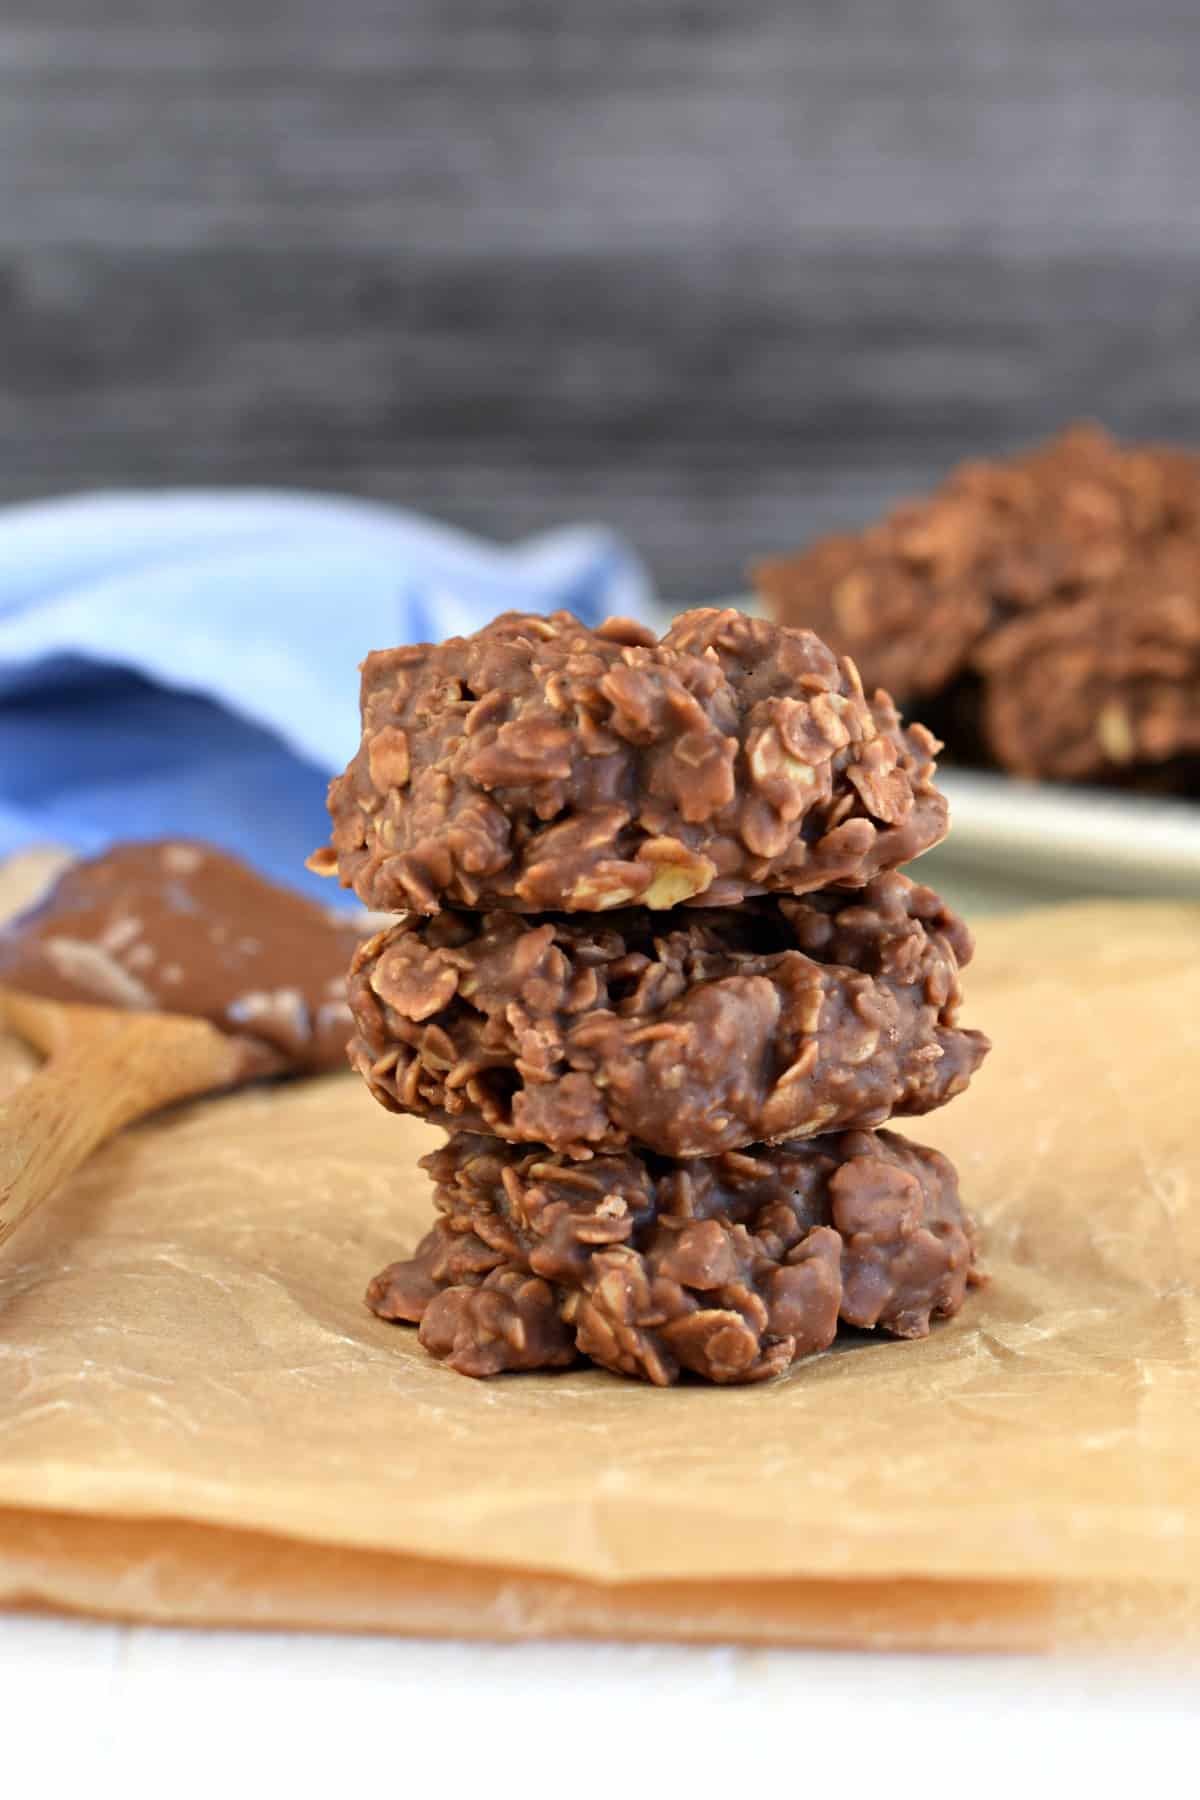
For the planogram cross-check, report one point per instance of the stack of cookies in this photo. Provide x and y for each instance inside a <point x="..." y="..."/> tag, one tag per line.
<point x="658" y="976"/>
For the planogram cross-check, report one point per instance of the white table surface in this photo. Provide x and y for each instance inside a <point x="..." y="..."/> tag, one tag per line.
<point x="134" y="1710"/>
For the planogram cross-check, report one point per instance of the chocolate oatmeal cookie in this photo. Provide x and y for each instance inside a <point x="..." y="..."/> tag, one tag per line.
<point x="1102" y="688"/>
<point x="540" y="766"/>
<point x="1044" y="610"/>
<point x="732" y="1267"/>
<point x="688" y="1034"/>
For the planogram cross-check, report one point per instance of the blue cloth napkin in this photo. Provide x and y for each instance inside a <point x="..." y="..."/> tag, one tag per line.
<point x="186" y="663"/>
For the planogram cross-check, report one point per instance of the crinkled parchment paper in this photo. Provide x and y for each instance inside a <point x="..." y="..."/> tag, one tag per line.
<point x="199" y="1420"/>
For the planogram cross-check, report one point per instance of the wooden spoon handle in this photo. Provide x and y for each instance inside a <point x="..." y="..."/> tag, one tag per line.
<point x="104" y="1079"/>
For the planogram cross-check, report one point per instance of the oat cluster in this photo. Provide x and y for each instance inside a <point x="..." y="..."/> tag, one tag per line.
<point x="1049" y="606"/>
<point x="731" y="1266"/>
<point x="658" y="974"/>
<point x="688" y="1033"/>
<point x="542" y="767"/>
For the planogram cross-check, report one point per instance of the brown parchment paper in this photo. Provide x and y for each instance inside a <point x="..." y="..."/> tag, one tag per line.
<point x="199" y="1421"/>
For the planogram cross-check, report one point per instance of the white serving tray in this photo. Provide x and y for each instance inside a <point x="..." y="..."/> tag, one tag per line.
<point x="1069" y="840"/>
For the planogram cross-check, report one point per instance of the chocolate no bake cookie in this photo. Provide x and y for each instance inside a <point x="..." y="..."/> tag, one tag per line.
<point x="540" y="766"/>
<point x="687" y="1033"/>
<point x="1050" y="603"/>
<point x="1107" y="686"/>
<point x="732" y="1267"/>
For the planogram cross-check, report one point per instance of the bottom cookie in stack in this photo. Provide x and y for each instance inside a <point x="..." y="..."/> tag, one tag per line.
<point x="732" y="1266"/>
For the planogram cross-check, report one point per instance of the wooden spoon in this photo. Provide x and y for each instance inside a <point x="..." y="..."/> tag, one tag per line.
<point x="104" y="1068"/>
<point x="156" y="972"/>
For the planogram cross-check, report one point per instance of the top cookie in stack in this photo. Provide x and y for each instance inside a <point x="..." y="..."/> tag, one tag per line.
<point x="542" y="767"/>
<point x="653" y="914"/>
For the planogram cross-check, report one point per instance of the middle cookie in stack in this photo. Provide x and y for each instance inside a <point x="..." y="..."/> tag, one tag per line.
<point x="635" y="1082"/>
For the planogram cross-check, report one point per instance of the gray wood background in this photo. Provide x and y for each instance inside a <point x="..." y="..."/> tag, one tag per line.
<point x="721" y="272"/>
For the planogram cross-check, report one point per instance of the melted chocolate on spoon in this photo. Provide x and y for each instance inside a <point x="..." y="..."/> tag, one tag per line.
<point x="180" y="927"/>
